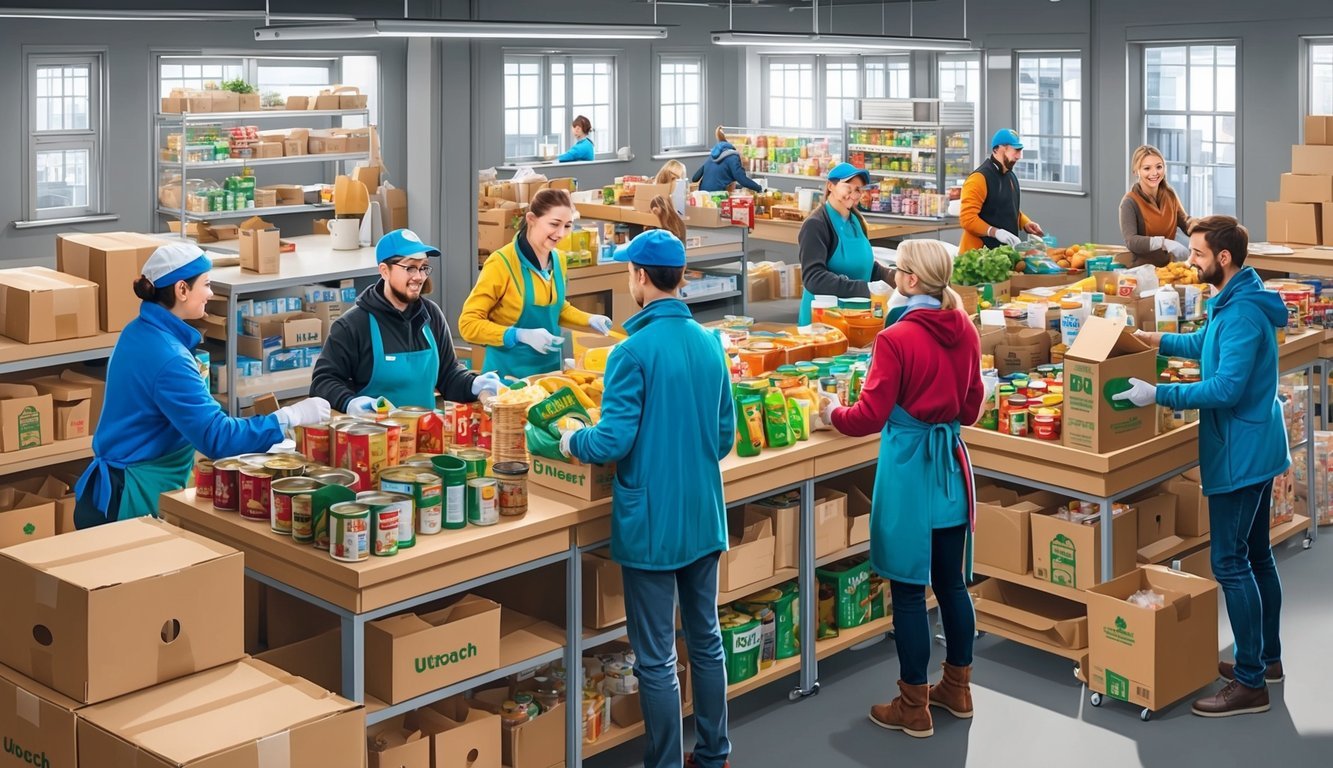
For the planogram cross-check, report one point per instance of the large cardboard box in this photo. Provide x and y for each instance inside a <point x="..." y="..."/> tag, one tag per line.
<point x="97" y="384"/>
<point x="1191" y="506"/>
<point x="1153" y="657"/>
<point x="398" y="742"/>
<point x="1297" y="223"/>
<point x="1032" y="613"/>
<point x="785" y="511"/>
<point x="242" y="715"/>
<point x="538" y="743"/>
<point x="25" y="517"/>
<point x="1310" y="159"/>
<point x="39" y="724"/>
<point x="496" y="228"/>
<point x="461" y="736"/>
<point x="39" y="304"/>
<point x="410" y="654"/>
<point x="1300" y="188"/>
<point x="750" y="557"/>
<point x="830" y="521"/>
<point x="294" y="329"/>
<point x="106" y="611"/>
<point x="317" y="659"/>
<point x="1022" y="349"/>
<point x="112" y="260"/>
<point x="54" y="490"/>
<point x="260" y="250"/>
<point x="26" y="418"/>
<point x="1099" y="365"/>
<point x="590" y="482"/>
<point x="284" y="194"/>
<point x="1157" y="526"/>
<point x="1319" y="129"/>
<point x="1003" y="538"/>
<point x="1070" y="553"/>
<point x="858" y="487"/>
<point x="71" y="404"/>
<point x="603" y="590"/>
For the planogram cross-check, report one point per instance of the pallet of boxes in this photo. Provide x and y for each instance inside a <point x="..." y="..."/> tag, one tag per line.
<point x="1303" y="213"/>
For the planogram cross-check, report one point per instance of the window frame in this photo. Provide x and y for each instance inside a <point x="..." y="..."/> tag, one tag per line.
<point x="92" y="139"/>
<point x="682" y="57"/>
<point x="1062" y="54"/>
<point x="889" y="62"/>
<point x="606" y="147"/>
<point x="819" y="92"/>
<point x="1307" y="78"/>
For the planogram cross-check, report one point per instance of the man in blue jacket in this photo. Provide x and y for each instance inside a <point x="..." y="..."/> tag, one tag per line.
<point x="667" y="422"/>
<point x="1242" y="447"/>
<point x="723" y="168"/>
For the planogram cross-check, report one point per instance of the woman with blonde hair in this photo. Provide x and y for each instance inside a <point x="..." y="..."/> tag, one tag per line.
<point x="924" y="384"/>
<point x="670" y="172"/>
<point x="667" y="217"/>
<point x="1150" y="212"/>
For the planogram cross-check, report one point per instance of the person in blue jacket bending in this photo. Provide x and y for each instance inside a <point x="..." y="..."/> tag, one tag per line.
<point x="723" y="168"/>
<point x="1242" y="447"/>
<point x="667" y="422"/>
<point x="582" y="149"/>
<point x="158" y="411"/>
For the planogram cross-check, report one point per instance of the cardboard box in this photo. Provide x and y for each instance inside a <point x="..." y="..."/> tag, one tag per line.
<point x="317" y="659"/>
<point x="25" y="517"/>
<point x="260" y="251"/>
<point x="27" y="418"/>
<point x="242" y="715"/>
<point x="1157" y="526"/>
<point x="858" y="487"/>
<point x="39" y="724"/>
<point x="39" y="304"/>
<point x="1319" y="129"/>
<point x="293" y="329"/>
<point x="1326" y="224"/>
<point x="538" y="743"/>
<point x="603" y="590"/>
<point x="973" y="295"/>
<point x="1022" y="349"/>
<point x="1019" y="281"/>
<point x="1099" y="365"/>
<point x="71" y="405"/>
<point x="1298" y="223"/>
<point x="358" y="140"/>
<point x="410" y="654"/>
<point x="1200" y="563"/>
<point x="247" y="102"/>
<point x="1300" y="188"/>
<point x="1070" y="553"/>
<point x="49" y="488"/>
<point x="267" y="149"/>
<point x="750" y="557"/>
<point x="294" y="148"/>
<point x="298" y="102"/>
<point x="289" y="619"/>
<point x="496" y="228"/>
<point x="785" y="512"/>
<point x="1310" y="159"/>
<point x="590" y="482"/>
<point x="284" y="194"/>
<point x="1149" y="657"/>
<point x="98" y="386"/>
<point x="122" y="607"/>
<point x="1191" y="506"/>
<point x="112" y="260"/>
<point x="326" y="143"/>
<point x="327" y="312"/>
<point x="1003" y="537"/>
<point x="830" y="521"/>
<point x="397" y="743"/>
<point x="461" y="736"/>
<point x="394" y="207"/>
<point x="225" y="101"/>
<point x="266" y="198"/>
<point x="1032" y="613"/>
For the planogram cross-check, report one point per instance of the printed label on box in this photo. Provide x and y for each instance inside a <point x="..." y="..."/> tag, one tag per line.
<point x="30" y="428"/>
<point x="1064" y="561"/>
<point x="1117" y="687"/>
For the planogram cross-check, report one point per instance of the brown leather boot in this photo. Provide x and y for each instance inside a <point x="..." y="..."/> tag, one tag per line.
<point x="953" y="692"/>
<point x="909" y="713"/>
<point x="1273" y="674"/>
<point x="1233" y="699"/>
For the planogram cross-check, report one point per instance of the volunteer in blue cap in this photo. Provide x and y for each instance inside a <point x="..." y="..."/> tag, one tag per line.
<point x="395" y="343"/>
<point x="990" y="214"/>
<point x="157" y="410"/>
<point x="834" y="248"/>
<point x="667" y="420"/>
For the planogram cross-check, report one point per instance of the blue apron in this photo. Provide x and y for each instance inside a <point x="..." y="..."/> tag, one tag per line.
<point x="403" y="378"/>
<point x="141" y="485"/>
<point x="520" y="360"/>
<point x="852" y="258"/>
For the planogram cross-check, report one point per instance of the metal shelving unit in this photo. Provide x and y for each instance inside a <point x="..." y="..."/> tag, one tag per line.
<point x="768" y="167"/>
<point x="933" y="139"/>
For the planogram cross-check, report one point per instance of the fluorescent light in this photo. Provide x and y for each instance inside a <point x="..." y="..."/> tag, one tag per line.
<point x="858" y="42"/>
<point x="77" y="14"/>
<point x="464" y="29"/>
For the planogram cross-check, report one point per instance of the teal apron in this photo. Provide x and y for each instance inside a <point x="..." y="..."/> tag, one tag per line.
<point x="520" y="360"/>
<point x="403" y="378"/>
<point x="141" y="485"/>
<point x="852" y="258"/>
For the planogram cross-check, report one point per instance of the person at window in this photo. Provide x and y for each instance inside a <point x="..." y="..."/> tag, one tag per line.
<point x="395" y="343"/>
<point x="723" y="168"/>
<point x="1151" y="213"/>
<point x="582" y="149"/>
<point x="836" y="257"/>
<point x="670" y="172"/>
<point x="667" y="217"/>
<point x="990" y="214"/>
<point x="158" y="411"/>
<point x="518" y="304"/>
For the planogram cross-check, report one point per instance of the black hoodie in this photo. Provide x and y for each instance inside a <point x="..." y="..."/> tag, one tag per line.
<point x="346" y="363"/>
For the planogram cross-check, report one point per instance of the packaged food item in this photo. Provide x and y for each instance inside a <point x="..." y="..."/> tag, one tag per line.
<point x="777" y="425"/>
<point x="749" y="424"/>
<point x="1166" y="304"/>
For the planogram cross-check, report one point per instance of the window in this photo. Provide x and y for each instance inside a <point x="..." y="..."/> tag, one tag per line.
<point x="681" y="119"/>
<point x="275" y="77"/>
<point x="818" y="92"/>
<point x="888" y="77"/>
<point x="543" y="95"/>
<point x="64" y="102"/>
<point x="1320" y="100"/>
<point x="1190" y="96"/>
<point x="841" y="90"/>
<point x="194" y="72"/>
<point x="1050" y="119"/>
<point x="960" y="78"/>
<point x="791" y="93"/>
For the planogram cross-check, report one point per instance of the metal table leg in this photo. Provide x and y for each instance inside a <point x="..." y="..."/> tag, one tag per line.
<point x="809" y="591"/>
<point x="1310" y="496"/>
<point x="232" y="378"/>
<point x="354" y="657"/>
<point x="1108" y="541"/>
<point x="573" y="654"/>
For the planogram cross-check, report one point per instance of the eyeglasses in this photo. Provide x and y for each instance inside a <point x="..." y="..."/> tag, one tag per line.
<point x="904" y="271"/>
<point x="423" y="271"/>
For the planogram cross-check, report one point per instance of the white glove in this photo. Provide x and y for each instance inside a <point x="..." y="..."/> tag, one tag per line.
<point x="1140" y="393"/>
<point x="539" y="339"/>
<point x="566" y="435"/>
<point x="1178" y="250"/>
<point x="1007" y="238"/>
<point x="880" y="288"/>
<point x="827" y="402"/>
<point x="487" y="382"/>
<point x="314" y="410"/>
<point x="361" y="406"/>
<point x="601" y="324"/>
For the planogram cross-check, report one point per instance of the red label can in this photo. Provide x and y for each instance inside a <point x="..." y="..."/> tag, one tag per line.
<point x="446" y="417"/>
<point x="481" y="425"/>
<point x="367" y="452"/>
<point x="463" y="434"/>
<point x="226" y="485"/>
<point x="255" y="487"/>
<point x="203" y="479"/>
<point x="393" y="440"/>
<point x="313" y="442"/>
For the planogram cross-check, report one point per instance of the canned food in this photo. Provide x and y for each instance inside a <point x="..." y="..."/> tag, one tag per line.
<point x="483" y="503"/>
<point x="407" y="437"/>
<point x="407" y="526"/>
<point x="512" y="477"/>
<point x="255" y="486"/>
<point x="291" y="507"/>
<point x="465" y="427"/>
<point x="337" y="476"/>
<point x="475" y="461"/>
<point x="386" y="512"/>
<point x="424" y="489"/>
<point x="393" y="437"/>
<point x="203" y="479"/>
<point x="349" y="531"/>
<point x="226" y="485"/>
<point x="427" y="428"/>
<point x="423" y="460"/>
<point x="453" y="477"/>
<point x="256" y="460"/>
<point x="367" y="452"/>
<point x="313" y="442"/>
<point x="285" y="466"/>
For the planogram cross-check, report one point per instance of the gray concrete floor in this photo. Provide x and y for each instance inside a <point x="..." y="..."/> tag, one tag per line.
<point x="1031" y="711"/>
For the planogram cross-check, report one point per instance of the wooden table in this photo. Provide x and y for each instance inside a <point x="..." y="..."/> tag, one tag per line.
<point x="777" y="231"/>
<point x="1307" y="260"/>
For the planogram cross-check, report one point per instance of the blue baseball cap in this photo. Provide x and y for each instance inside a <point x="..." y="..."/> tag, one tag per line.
<point x="402" y="243"/>
<point x="654" y="248"/>
<point x="1006" y="136"/>
<point x="845" y="171"/>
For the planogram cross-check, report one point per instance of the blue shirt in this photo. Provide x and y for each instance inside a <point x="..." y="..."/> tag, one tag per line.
<point x="580" y="152"/>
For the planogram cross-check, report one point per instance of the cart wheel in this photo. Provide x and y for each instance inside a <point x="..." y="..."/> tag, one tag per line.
<point x="1145" y="715"/>
<point x="797" y="694"/>
<point x="1095" y="699"/>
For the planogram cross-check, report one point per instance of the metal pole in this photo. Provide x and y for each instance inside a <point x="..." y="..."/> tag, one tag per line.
<point x="573" y="653"/>
<point x="814" y="11"/>
<point x="354" y="658"/>
<point x="231" y="351"/>
<point x="1108" y="547"/>
<point x="809" y="591"/>
<point x="1311" y="497"/>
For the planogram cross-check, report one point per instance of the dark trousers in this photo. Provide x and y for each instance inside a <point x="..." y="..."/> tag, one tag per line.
<point x="1243" y="565"/>
<point x="911" y="626"/>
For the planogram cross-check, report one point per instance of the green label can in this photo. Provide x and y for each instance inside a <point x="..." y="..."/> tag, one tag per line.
<point x="349" y="531"/>
<point x="483" y="501"/>
<point x="453" y="490"/>
<point x="387" y="511"/>
<point x="475" y="462"/>
<point x="424" y="489"/>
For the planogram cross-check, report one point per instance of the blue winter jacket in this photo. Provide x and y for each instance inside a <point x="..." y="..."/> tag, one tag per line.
<point x="667" y="420"/>
<point x="721" y="169"/>
<point x="1242" y="436"/>
<point x="580" y="152"/>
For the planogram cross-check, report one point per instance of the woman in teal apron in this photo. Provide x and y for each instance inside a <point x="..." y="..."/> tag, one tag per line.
<point x="158" y="410"/>
<point x="518" y="305"/>
<point x="924" y="383"/>
<point x="835" y="252"/>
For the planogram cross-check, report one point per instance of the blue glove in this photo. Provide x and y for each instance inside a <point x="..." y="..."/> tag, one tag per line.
<point x="601" y="324"/>
<point x="487" y="382"/>
<point x="361" y="406"/>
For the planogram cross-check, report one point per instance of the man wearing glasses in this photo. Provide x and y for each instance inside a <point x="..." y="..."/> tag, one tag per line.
<point x="394" y="343"/>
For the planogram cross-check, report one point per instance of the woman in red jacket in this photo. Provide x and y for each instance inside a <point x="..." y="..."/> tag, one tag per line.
<point x="924" y="383"/>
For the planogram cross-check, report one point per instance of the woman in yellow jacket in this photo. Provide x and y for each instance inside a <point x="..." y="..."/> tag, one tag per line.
<point x="518" y="304"/>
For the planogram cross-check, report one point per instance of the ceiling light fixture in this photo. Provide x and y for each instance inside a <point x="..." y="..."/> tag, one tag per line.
<point x="816" y="39"/>
<point x="463" y="29"/>
<point x="85" y="14"/>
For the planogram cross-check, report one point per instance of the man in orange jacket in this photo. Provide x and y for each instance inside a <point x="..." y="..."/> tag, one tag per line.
<point x="990" y="214"/>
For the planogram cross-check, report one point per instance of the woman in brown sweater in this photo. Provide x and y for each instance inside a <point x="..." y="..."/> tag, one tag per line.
<point x="1150" y="212"/>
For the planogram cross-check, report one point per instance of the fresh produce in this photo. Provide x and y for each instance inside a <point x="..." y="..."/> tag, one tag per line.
<point x="1073" y="257"/>
<point x="984" y="265"/>
<point x="237" y="86"/>
<point x="1177" y="273"/>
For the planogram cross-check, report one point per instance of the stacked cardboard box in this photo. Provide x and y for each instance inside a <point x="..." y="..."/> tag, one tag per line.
<point x="1303" y="212"/>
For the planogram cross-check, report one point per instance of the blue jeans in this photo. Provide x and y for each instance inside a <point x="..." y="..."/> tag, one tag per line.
<point x="1243" y="564"/>
<point x="650" y="601"/>
<point x="911" y="626"/>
